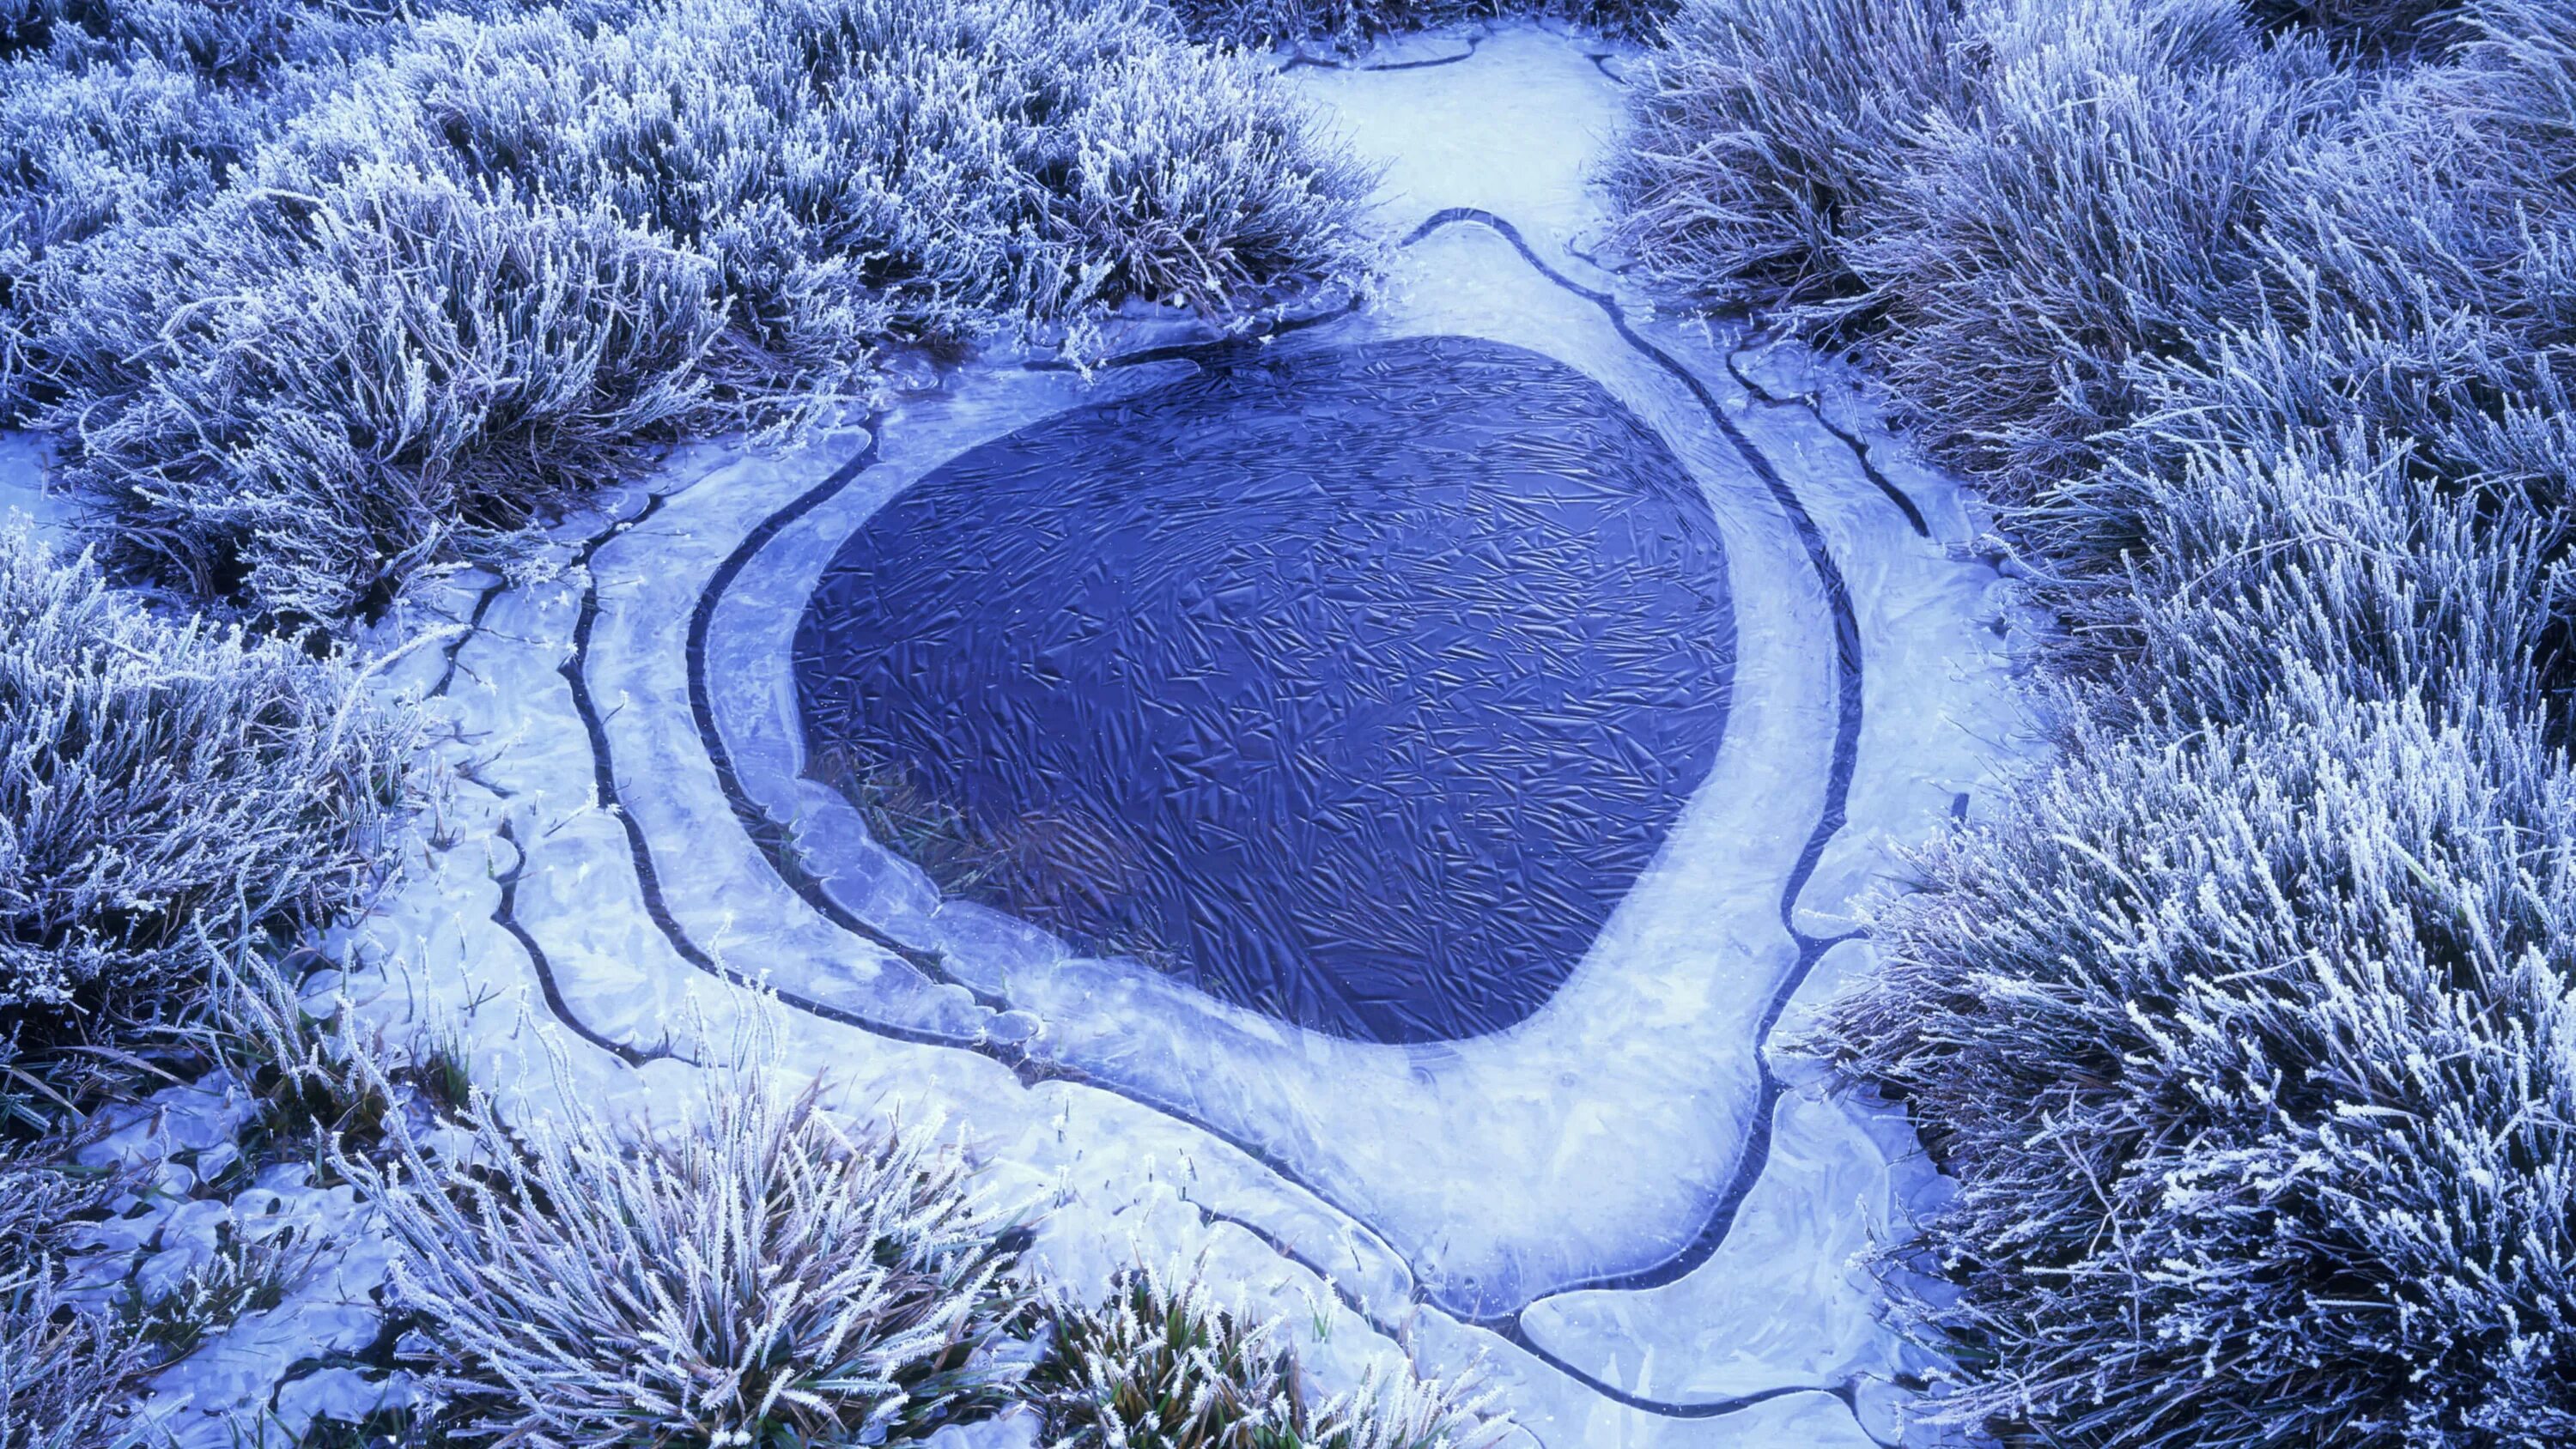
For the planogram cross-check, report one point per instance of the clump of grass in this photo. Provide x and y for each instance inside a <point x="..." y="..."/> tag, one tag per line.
<point x="320" y="1080"/>
<point x="2248" y="1049"/>
<point x="64" y="1367"/>
<point x="242" y="1276"/>
<point x="159" y="779"/>
<point x="63" y="1371"/>
<point x="2094" y="207"/>
<point x="932" y="833"/>
<point x="1759" y="131"/>
<point x="763" y="1277"/>
<point x="1161" y="1365"/>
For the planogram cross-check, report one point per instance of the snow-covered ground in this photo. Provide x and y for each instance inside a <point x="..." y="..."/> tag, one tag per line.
<point x="1635" y="1210"/>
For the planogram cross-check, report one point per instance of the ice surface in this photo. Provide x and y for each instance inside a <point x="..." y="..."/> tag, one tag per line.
<point x="1354" y="686"/>
<point x="23" y="496"/>
<point x="246" y="1383"/>
<point x="1638" y="1058"/>
<point x="1720" y="1332"/>
<point x="1616" y="1200"/>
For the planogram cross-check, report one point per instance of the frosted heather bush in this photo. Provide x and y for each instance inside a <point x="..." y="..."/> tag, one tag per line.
<point x="1352" y="22"/>
<point x="517" y="249"/>
<point x="131" y="110"/>
<point x="82" y="149"/>
<point x="2093" y="207"/>
<point x="2251" y="1052"/>
<point x="299" y="399"/>
<point x="1760" y="124"/>
<point x="760" y="1278"/>
<point x="225" y="42"/>
<point x="861" y="169"/>
<point x="2244" y="1029"/>
<point x="158" y="777"/>
<point x="2369" y="28"/>
<point x="1161" y="1364"/>
<point x="63" y="1371"/>
<point x="2021" y="196"/>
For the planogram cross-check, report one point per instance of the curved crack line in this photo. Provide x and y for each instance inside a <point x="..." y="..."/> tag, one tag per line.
<point x="506" y="916"/>
<point x="473" y="627"/>
<point x="1755" y="1154"/>
<point x="1859" y="450"/>
<point x="767" y="834"/>
<point x="576" y="673"/>
<point x="1284" y="1249"/>
<point x="1305" y="60"/>
<point x="1847" y="1391"/>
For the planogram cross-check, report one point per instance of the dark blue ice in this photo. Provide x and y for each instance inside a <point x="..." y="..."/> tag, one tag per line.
<point x="1355" y="686"/>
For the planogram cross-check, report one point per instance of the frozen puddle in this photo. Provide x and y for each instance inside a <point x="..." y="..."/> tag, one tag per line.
<point x="1358" y="806"/>
<point x="1354" y="685"/>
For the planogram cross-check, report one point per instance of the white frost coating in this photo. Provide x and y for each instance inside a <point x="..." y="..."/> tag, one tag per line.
<point x="1593" y="1138"/>
<point x="1517" y="130"/>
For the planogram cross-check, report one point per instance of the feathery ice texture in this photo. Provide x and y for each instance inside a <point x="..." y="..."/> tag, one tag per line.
<point x="758" y="1278"/>
<point x="159" y="778"/>
<point x="307" y="335"/>
<point x="1161" y="1365"/>
<point x="2246" y="1031"/>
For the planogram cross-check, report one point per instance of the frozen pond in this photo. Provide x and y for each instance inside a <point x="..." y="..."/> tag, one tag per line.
<point x="1355" y="685"/>
<point x="1366" y="806"/>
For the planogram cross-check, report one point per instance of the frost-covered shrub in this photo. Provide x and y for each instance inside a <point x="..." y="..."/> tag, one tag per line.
<point x="865" y="169"/>
<point x="1162" y="1365"/>
<point x="2251" y="1051"/>
<point x="80" y="149"/>
<point x="62" y="1371"/>
<point x="224" y="42"/>
<point x="1348" y="22"/>
<point x="83" y="149"/>
<point x="2093" y="208"/>
<point x="133" y="110"/>
<point x="298" y="398"/>
<point x="516" y="248"/>
<point x="2245" y="1030"/>
<point x="2361" y="569"/>
<point x="2370" y="28"/>
<point x="2024" y="196"/>
<point x="759" y="1278"/>
<point x="158" y="777"/>
<point x="2415" y="320"/>
<point x="1760" y="125"/>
